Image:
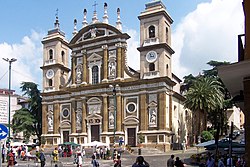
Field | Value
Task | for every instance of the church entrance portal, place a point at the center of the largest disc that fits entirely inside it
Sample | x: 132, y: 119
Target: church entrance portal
x: 95, y: 133
x: 65, y: 136
x: 131, y: 137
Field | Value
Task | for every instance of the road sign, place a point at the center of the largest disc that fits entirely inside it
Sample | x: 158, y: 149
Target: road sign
x: 3, y: 131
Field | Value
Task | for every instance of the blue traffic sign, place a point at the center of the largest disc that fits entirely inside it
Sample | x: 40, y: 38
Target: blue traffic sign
x: 3, y: 131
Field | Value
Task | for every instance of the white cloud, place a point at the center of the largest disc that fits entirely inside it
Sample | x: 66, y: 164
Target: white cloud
x: 208, y: 33
x: 29, y: 58
x: 133, y: 54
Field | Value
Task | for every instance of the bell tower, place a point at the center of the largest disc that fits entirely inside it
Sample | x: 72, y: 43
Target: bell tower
x: 55, y: 59
x: 155, y: 41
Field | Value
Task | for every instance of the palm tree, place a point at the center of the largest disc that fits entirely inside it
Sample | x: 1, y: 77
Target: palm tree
x: 204, y: 95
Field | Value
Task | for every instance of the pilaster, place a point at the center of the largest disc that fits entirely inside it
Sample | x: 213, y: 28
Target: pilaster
x: 56, y: 118
x: 143, y: 112
x: 84, y: 66
x: 105, y: 113
x: 73, y: 72
x: 118, y: 113
x: 170, y: 112
x: 119, y: 60
x: 44, y: 120
x: 162, y: 112
x: 73, y: 116
x: 105, y: 63
x: 84, y: 114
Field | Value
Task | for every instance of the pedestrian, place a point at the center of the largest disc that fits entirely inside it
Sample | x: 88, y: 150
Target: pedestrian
x: 140, y: 162
x: 220, y: 162
x: 210, y: 161
x: 11, y: 159
x: 3, y: 153
x: 55, y: 155
x: 118, y: 162
x: 170, y: 162
x: 94, y: 162
x: 42, y: 157
x: 178, y: 162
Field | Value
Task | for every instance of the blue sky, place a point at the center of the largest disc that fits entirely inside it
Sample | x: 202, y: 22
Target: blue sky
x: 203, y: 30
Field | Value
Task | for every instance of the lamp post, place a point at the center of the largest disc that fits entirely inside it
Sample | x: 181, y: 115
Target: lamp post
x: 9, y: 61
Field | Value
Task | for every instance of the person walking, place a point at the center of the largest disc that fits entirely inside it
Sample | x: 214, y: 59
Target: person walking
x: 210, y: 161
x: 140, y: 162
x: 94, y: 162
x: 3, y: 154
x: 42, y: 157
x: 170, y: 162
x: 55, y: 155
x: 118, y: 162
x: 11, y: 159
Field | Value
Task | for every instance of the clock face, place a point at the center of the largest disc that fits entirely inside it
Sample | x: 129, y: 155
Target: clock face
x: 151, y: 56
x: 50, y: 74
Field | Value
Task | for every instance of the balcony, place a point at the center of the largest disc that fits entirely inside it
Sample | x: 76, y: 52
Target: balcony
x: 49, y: 62
x: 151, y: 41
x: 151, y: 74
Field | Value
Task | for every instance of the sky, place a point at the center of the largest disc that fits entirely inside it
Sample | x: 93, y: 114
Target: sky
x: 203, y: 30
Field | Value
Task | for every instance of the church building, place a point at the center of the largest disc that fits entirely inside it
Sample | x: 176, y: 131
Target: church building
x: 98, y: 96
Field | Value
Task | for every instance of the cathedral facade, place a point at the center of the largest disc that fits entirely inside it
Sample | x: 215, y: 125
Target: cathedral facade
x: 99, y: 97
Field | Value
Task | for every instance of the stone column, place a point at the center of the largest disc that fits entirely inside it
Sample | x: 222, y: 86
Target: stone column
x: 161, y: 111
x: 144, y: 113
x: 73, y: 115
x: 105, y: 63
x: 246, y: 83
x: 84, y: 67
x: 118, y: 112
x: 56, y: 118
x: 105, y: 120
x: 44, y: 118
x: 84, y: 115
x: 73, y: 72
x: 119, y: 60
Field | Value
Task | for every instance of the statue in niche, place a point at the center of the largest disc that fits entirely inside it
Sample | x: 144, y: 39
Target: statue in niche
x: 50, y: 122
x: 78, y: 120
x: 111, y: 119
x: 79, y: 74
x: 112, y: 69
x: 152, y: 117
x: 93, y: 32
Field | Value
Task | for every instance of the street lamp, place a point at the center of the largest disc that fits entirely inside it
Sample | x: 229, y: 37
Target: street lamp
x: 9, y: 61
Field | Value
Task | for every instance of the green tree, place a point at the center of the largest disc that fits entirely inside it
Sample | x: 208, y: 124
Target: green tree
x: 204, y: 95
x: 206, y: 136
x: 23, y: 121
x: 30, y: 90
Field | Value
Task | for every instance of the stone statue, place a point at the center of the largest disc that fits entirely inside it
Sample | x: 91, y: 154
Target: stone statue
x: 78, y: 120
x: 112, y: 69
x: 79, y: 74
x: 50, y: 123
x: 111, y: 119
x: 152, y: 117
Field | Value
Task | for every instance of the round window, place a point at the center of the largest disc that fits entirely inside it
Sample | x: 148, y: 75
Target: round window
x: 65, y: 113
x: 131, y: 107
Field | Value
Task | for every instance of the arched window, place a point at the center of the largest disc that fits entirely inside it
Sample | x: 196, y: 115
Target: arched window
x: 151, y: 67
x: 95, y: 75
x: 50, y: 54
x: 151, y: 31
x: 50, y: 82
x: 62, y: 54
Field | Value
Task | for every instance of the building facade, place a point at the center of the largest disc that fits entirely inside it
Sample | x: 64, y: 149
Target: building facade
x: 99, y: 97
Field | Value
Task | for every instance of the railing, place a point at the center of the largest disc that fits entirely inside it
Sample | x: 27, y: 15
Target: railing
x: 49, y: 62
x: 151, y: 41
x: 151, y: 74
x: 49, y: 89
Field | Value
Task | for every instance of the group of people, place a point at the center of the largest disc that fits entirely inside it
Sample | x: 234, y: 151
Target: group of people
x: 177, y: 162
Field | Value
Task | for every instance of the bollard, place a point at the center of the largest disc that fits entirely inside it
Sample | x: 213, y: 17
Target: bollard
x: 139, y: 151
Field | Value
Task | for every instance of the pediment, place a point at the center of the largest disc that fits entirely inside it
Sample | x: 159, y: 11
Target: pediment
x: 94, y: 100
x: 94, y: 57
x: 93, y: 116
x: 152, y: 104
x: 131, y: 120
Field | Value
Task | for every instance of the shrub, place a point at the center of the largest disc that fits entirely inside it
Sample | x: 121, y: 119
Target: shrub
x: 206, y: 136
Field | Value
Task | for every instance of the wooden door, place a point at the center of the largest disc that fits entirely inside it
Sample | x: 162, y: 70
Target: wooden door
x: 95, y: 133
x: 131, y: 137
x: 65, y: 136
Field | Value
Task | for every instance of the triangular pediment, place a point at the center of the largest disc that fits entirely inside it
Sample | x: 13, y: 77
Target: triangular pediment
x: 152, y: 104
x: 94, y: 57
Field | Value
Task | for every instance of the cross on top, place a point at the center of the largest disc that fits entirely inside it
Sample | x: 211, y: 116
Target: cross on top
x: 95, y: 4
